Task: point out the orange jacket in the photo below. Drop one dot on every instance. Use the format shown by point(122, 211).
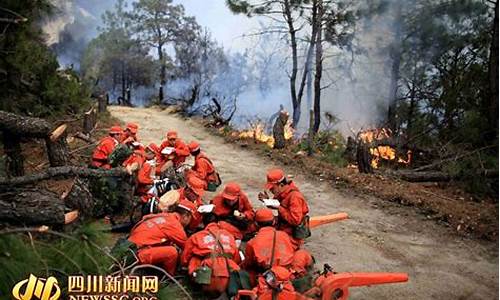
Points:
point(293, 208)
point(126, 138)
point(181, 152)
point(259, 249)
point(146, 176)
point(264, 292)
point(136, 157)
point(222, 210)
point(203, 168)
point(159, 229)
point(102, 152)
point(197, 217)
point(235, 232)
point(203, 249)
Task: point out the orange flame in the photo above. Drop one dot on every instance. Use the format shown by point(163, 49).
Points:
point(380, 153)
point(257, 133)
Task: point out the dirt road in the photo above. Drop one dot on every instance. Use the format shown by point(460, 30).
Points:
point(376, 238)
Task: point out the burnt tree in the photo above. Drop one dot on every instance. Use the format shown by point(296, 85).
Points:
point(363, 158)
point(279, 130)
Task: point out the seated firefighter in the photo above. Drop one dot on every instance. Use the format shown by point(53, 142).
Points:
point(203, 167)
point(274, 284)
point(160, 237)
point(100, 156)
point(146, 175)
point(129, 134)
point(233, 205)
point(210, 256)
point(272, 247)
point(173, 152)
point(292, 208)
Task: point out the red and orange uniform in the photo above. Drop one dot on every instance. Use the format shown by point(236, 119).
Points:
point(105, 148)
point(215, 248)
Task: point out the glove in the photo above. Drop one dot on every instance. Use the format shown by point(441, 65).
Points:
point(263, 195)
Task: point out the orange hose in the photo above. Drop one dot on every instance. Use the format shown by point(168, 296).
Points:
point(321, 220)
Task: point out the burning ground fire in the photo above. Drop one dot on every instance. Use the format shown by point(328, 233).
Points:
point(258, 134)
point(379, 153)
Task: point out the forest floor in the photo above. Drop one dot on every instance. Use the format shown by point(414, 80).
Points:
point(380, 235)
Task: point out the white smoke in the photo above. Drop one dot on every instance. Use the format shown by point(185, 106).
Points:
point(55, 24)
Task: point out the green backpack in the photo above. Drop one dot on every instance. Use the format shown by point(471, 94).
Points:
point(119, 155)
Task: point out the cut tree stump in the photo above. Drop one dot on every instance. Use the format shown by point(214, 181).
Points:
point(31, 206)
point(102, 103)
point(89, 121)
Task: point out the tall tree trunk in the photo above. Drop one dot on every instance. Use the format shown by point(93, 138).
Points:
point(163, 73)
point(395, 54)
point(306, 75)
point(293, 76)
point(493, 76)
point(319, 69)
point(124, 87)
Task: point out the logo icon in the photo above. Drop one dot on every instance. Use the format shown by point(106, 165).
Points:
point(43, 289)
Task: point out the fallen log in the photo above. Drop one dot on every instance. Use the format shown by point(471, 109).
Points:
point(438, 176)
point(62, 172)
point(430, 176)
point(24, 126)
point(84, 137)
point(31, 206)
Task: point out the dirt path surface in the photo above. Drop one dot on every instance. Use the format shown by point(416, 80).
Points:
point(440, 264)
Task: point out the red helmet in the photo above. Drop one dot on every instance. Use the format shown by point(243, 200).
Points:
point(193, 146)
point(231, 191)
point(264, 215)
point(274, 176)
point(115, 130)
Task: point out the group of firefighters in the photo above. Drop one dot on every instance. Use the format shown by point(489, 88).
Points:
point(219, 243)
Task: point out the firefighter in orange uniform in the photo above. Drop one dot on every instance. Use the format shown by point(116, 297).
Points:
point(105, 148)
point(194, 190)
point(203, 167)
point(130, 134)
point(276, 284)
point(135, 161)
point(146, 175)
point(271, 247)
point(159, 236)
point(293, 208)
point(233, 204)
point(178, 151)
point(214, 248)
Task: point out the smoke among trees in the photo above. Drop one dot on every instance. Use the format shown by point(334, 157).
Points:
point(425, 69)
